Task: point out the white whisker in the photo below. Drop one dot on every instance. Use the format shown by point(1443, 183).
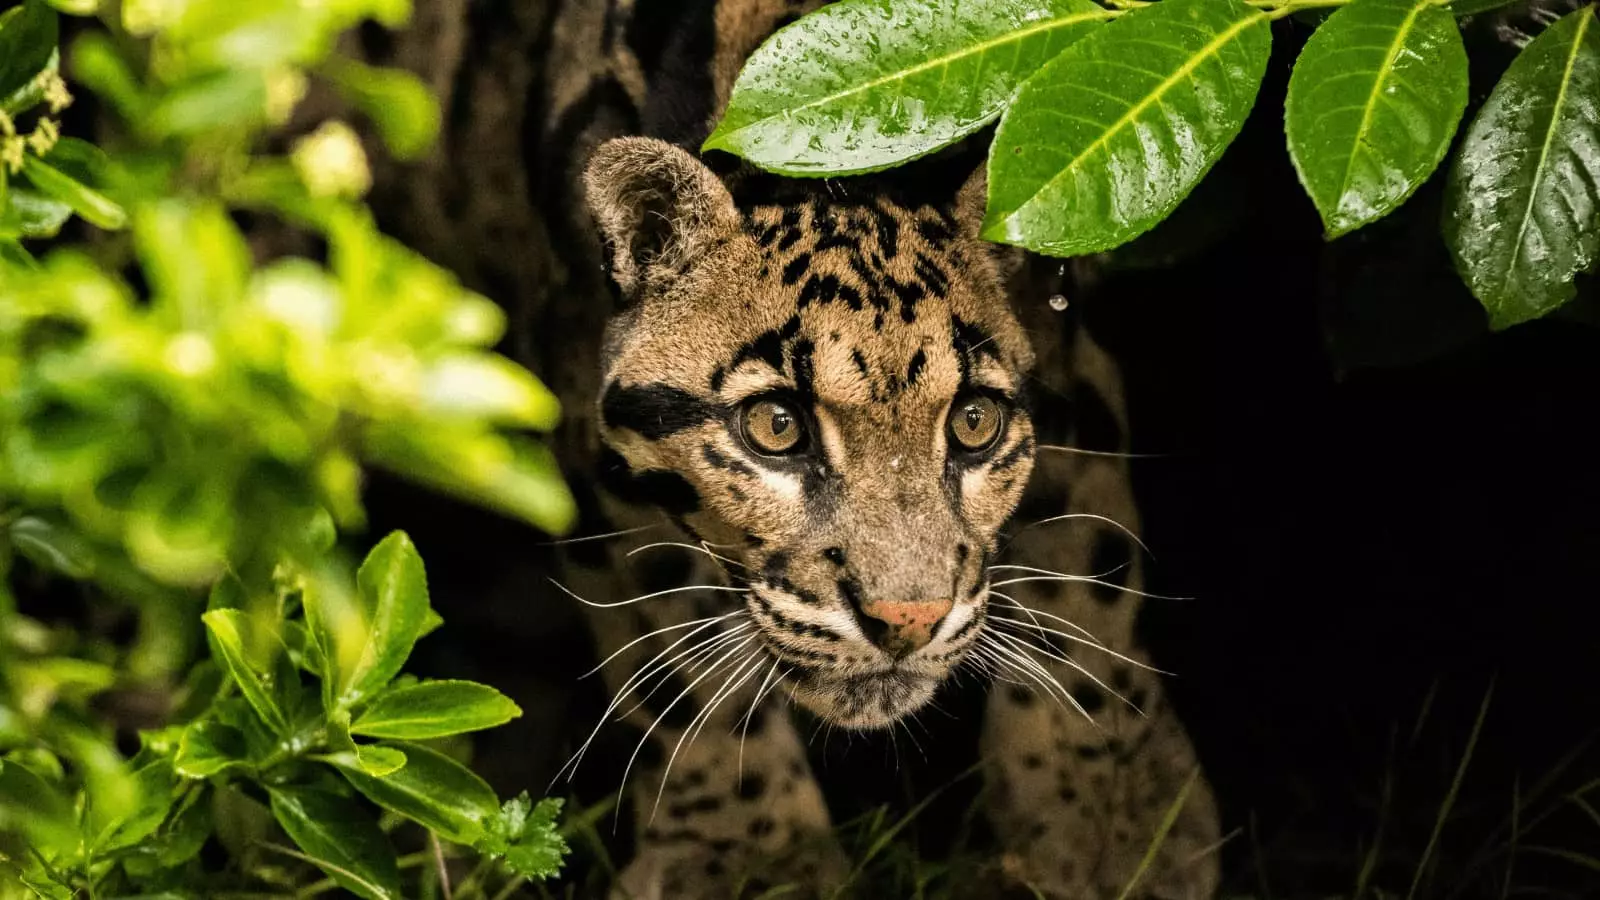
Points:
point(1095, 517)
point(597, 537)
point(650, 596)
point(1062, 448)
point(1075, 639)
point(1053, 653)
point(755, 703)
point(1085, 579)
point(698, 548)
point(692, 730)
point(645, 637)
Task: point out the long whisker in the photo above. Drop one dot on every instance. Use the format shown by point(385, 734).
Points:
point(692, 664)
point(1062, 448)
point(1032, 665)
point(650, 596)
point(633, 682)
point(1085, 579)
point(598, 537)
point(755, 703)
point(1132, 535)
point(731, 683)
point(1077, 640)
point(1060, 657)
point(698, 548)
point(646, 637)
point(622, 788)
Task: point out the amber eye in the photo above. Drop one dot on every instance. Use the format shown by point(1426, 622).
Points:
point(771, 426)
point(975, 422)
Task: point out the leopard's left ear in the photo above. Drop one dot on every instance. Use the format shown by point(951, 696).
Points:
point(971, 201)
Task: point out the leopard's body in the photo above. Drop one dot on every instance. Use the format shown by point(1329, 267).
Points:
point(679, 294)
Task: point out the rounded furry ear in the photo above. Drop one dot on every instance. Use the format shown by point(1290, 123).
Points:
point(655, 204)
point(971, 201)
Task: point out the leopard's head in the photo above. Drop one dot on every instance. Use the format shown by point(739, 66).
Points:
point(826, 391)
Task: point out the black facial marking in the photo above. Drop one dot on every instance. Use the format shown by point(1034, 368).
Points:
point(653, 411)
point(719, 459)
point(967, 340)
point(768, 346)
point(668, 490)
point(914, 371)
point(1016, 454)
point(796, 268)
point(834, 555)
point(803, 369)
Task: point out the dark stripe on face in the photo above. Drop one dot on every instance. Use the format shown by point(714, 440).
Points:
point(668, 490)
point(768, 346)
point(918, 360)
point(653, 411)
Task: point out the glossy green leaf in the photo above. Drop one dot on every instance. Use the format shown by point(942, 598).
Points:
point(1108, 138)
point(861, 85)
point(32, 92)
point(1522, 208)
point(432, 789)
point(1474, 7)
point(1373, 103)
point(31, 214)
point(95, 207)
point(28, 35)
point(368, 640)
point(231, 633)
point(526, 836)
point(209, 748)
point(435, 709)
point(340, 838)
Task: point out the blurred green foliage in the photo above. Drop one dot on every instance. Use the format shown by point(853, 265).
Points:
point(182, 411)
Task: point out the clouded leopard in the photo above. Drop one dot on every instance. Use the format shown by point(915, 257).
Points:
point(826, 402)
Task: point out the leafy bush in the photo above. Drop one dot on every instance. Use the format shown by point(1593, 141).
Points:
point(1110, 116)
point(181, 413)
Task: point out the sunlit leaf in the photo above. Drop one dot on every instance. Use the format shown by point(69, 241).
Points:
point(397, 101)
point(1522, 208)
point(95, 207)
point(229, 630)
point(861, 85)
point(209, 748)
point(435, 709)
point(37, 808)
point(1107, 139)
point(1372, 106)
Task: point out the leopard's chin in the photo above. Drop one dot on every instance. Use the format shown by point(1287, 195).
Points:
point(866, 702)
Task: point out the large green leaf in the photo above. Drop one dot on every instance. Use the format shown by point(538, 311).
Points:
point(432, 789)
point(341, 838)
point(435, 709)
point(27, 42)
point(1372, 106)
point(861, 85)
point(233, 644)
point(1107, 139)
point(1522, 212)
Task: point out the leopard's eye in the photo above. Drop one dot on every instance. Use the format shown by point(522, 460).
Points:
point(976, 422)
point(772, 427)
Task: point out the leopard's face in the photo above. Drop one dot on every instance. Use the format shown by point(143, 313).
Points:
point(828, 395)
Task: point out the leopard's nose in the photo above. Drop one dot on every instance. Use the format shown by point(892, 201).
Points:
point(901, 627)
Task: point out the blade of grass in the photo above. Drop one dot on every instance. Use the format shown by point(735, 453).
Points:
point(1450, 796)
point(1160, 837)
point(1511, 858)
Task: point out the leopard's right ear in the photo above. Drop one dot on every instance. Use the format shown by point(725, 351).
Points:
point(657, 206)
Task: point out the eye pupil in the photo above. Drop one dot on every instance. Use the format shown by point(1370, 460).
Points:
point(780, 423)
point(974, 417)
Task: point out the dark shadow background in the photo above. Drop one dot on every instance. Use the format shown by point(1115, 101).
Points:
point(1378, 507)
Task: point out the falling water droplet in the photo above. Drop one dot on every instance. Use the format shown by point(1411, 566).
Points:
point(1058, 302)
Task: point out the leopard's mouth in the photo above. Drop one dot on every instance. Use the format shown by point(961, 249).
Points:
point(866, 700)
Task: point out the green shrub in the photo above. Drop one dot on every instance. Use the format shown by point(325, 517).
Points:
point(179, 415)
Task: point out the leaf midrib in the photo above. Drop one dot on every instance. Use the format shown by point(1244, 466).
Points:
point(1384, 74)
point(1549, 137)
point(719, 139)
point(1211, 49)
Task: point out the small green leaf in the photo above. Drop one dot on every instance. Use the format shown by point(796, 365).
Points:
point(340, 838)
point(32, 93)
point(28, 36)
point(157, 792)
point(1373, 103)
point(1110, 136)
point(209, 748)
point(405, 111)
point(435, 709)
point(33, 806)
point(95, 207)
point(392, 589)
point(1522, 208)
point(195, 258)
point(33, 215)
point(527, 837)
point(861, 85)
point(230, 630)
point(228, 593)
point(432, 789)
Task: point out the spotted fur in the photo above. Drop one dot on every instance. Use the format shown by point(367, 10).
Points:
point(856, 573)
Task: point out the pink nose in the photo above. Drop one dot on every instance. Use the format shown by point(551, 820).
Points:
point(901, 627)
